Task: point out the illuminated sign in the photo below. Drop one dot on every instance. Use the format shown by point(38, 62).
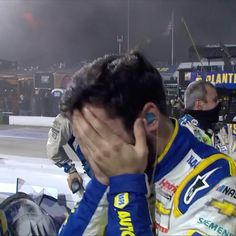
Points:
point(44, 80)
point(221, 79)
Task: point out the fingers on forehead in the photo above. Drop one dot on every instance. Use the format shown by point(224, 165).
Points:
point(87, 134)
point(102, 129)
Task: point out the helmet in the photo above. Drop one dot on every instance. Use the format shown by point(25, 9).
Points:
point(25, 217)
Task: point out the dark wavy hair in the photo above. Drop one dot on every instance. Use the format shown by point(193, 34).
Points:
point(120, 84)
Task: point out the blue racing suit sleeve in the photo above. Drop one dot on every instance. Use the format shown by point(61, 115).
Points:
point(128, 212)
point(90, 216)
point(80, 155)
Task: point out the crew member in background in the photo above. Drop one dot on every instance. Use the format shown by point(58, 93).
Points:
point(177, 107)
point(202, 108)
point(59, 135)
point(23, 105)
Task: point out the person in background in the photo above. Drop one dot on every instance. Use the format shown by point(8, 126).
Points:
point(119, 118)
point(177, 107)
point(36, 103)
point(202, 109)
point(23, 105)
point(59, 135)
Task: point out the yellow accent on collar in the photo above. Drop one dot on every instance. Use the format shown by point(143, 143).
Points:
point(169, 144)
point(205, 163)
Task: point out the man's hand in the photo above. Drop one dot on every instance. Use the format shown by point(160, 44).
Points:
point(72, 177)
point(105, 150)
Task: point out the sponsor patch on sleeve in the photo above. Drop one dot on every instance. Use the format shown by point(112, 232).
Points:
point(54, 133)
point(121, 200)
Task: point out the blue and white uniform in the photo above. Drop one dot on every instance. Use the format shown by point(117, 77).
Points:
point(59, 135)
point(193, 192)
point(218, 136)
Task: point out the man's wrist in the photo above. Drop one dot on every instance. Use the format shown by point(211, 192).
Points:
point(68, 166)
point(72, 171)
point(128, 183)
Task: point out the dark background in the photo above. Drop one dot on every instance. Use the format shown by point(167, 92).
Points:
point(41, 32)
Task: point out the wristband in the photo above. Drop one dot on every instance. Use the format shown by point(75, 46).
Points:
point(69, 167)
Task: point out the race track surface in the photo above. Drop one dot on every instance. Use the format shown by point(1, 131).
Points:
point(23, 141)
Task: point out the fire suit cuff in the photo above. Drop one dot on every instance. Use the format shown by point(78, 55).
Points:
point(72, 170)
point(97, 184)
point(95, 190)
point(135, 183)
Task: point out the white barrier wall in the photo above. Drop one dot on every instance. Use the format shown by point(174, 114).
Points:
point(31, 120)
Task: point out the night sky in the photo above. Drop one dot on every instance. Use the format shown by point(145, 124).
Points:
point(48, 31)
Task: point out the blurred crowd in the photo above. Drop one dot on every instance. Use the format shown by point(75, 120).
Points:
point(43, 102)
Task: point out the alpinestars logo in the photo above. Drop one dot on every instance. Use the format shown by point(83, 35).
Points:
point(199, 184)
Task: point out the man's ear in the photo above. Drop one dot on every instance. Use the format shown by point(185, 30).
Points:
point(151, 115)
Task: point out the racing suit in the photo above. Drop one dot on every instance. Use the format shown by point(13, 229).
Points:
point(193, 187)
point(59, 135)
